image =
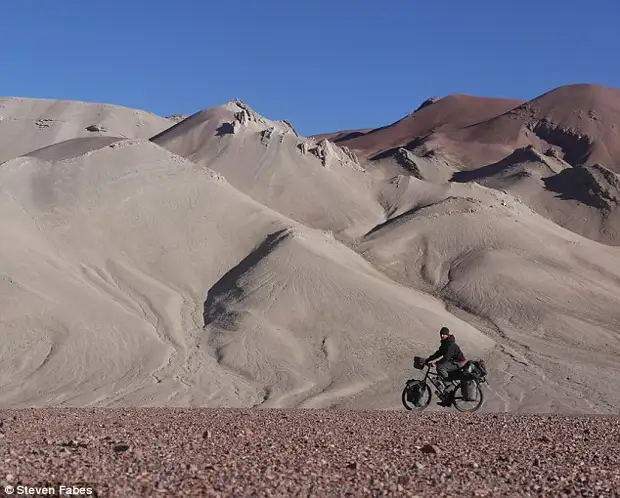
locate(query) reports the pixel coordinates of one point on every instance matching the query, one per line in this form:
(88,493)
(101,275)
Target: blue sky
(323,65)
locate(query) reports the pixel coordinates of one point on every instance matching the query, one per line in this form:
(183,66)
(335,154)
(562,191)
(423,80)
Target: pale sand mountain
(584,200)
(133,276)
(313,182)
(29,124)
(433,167)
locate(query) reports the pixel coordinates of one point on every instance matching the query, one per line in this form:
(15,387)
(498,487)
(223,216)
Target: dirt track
(225,452)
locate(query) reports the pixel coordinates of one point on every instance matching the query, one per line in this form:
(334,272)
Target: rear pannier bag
(468,387)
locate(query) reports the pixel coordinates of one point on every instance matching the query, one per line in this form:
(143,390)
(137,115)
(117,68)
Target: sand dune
(583,199)
(200,295)
(313,182)
(227,261)
(29,124)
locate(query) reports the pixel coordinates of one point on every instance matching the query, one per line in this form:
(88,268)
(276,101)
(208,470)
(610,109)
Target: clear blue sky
(324,65)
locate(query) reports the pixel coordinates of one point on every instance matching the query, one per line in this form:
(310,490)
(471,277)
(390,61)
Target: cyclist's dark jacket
(450,351)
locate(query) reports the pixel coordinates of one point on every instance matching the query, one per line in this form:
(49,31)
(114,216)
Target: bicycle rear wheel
(463,405)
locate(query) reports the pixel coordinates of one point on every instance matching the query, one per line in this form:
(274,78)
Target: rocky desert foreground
(268,452)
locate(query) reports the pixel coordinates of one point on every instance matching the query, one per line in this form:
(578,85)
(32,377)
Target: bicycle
(416,391)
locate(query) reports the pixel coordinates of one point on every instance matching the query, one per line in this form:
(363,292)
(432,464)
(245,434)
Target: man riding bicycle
(452,356)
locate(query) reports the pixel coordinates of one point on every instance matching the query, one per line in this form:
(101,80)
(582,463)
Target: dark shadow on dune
(563,187)
(577,148)
(350,136)
(594,186)
(225,129)
(393,221)
(419,141)
(472,202)
(227,288)
(416,146)
(403,216)
(477,174)
(510,166)
(410,146)
(384,155)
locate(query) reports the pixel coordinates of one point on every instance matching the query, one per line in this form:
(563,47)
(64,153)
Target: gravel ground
(333,453)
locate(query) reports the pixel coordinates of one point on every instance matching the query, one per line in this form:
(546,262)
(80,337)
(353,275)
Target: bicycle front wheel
(425,398)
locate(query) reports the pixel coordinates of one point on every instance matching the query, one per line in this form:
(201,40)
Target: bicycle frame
(432,376)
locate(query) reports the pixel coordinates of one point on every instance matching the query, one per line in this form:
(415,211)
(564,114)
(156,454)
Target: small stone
(206,434)
(353,465)
(9,477)
(119,448)
(419,465)
(430,449)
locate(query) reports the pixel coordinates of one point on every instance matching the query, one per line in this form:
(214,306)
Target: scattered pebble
(430,448)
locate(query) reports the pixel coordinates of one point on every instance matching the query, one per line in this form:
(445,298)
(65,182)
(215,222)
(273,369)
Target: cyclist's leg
(446,368)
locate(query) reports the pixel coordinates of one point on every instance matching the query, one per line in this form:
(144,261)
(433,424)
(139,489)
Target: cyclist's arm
(435,355)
